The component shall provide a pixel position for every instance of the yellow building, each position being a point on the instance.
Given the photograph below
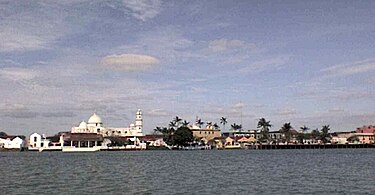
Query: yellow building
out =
(205, 134)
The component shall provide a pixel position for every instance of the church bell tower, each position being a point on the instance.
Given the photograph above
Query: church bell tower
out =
(139, 121)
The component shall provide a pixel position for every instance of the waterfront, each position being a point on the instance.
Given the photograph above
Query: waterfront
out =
(336, 171)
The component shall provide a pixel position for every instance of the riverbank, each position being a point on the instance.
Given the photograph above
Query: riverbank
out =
(310, 146)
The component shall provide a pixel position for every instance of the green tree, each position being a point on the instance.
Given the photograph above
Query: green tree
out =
(185, 123)
(285, 129)
(3, 134)
(301, 137)
(315, 134)
(223, 121)
(183, 136)
(199, 122)
(167, 134)
(236, 127)
(216, 126)
(264, 126)
(324, 135)
(304, 129)
(177, 120)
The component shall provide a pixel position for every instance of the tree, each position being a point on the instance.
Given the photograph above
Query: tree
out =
(315, 134)
(209, 124)
(223, 121)
(300, 137)
(183, 136)
(324, 135)
(285, 129)
(264, 126)
(167, 134)
(304, 129)
(185, 123)
(3, 134)
(172, 125)
(177, 120)
(216, 126)
(236, 127)
(199, 122)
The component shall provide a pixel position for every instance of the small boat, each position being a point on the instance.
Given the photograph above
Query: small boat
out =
(235, 146)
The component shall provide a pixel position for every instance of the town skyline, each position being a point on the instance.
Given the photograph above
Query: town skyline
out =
(308, 63)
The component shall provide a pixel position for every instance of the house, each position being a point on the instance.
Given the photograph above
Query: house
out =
(154, 140)
(11, 142)
(37, 142)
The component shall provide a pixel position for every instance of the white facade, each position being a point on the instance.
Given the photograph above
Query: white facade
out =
(35, 140)
(15, 143)
(38, 142)
(95, 125)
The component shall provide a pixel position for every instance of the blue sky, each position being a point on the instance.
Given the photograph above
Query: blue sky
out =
(305, 62)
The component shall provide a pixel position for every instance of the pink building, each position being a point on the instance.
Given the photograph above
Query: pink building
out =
(366, 129)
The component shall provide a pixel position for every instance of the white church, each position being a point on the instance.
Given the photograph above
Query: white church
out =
(90, 136)
(95, 125)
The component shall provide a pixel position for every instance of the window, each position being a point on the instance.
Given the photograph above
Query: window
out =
(35, 139)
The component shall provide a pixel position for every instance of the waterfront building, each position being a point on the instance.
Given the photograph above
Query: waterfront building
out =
(154, 140)
(11, 142)
(362, 135)
(206, 134)
(366, 129)
(95, 125)
(39, 142)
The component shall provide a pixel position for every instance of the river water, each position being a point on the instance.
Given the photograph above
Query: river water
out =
(334, 171)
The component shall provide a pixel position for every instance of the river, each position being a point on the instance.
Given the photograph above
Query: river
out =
(330, 171)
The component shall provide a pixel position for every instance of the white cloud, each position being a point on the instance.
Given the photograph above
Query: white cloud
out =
(267, 64)
(17, 74)
(143, 9)
(19, 41)
(157, 113)
(222, 45)
(285, 112)
(354, 68)
(130, 62)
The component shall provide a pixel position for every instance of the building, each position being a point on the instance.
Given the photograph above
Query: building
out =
(90, 136)
(206, 134)
(95, 125)
(366, 129)
(11, 142)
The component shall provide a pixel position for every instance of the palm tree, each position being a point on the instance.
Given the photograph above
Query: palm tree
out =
(209, 125)
(324, 133)
(315, 134)
(216, 126)
(285, 129)
(172, 125)
(304, 129)
(264, 125)
(236, 127)
(177, 120)
(223, 121)
(199, 122)
(157, 130)
(185, 123)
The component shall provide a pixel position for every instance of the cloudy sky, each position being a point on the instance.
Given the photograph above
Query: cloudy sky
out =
(305, 62)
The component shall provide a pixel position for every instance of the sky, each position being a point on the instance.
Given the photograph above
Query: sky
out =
(306, 62)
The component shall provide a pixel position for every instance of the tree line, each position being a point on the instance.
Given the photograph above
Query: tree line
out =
(178, 132)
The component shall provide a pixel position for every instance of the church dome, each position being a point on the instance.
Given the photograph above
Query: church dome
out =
(94, 119)
(83, 124)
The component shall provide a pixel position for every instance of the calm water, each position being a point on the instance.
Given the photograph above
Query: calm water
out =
(342, 171)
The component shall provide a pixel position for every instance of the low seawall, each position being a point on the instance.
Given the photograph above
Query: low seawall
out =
(310, 146)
